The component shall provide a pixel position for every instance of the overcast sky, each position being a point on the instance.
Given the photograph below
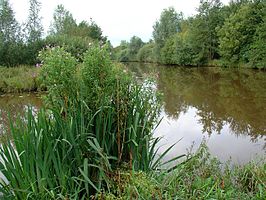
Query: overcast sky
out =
(119, 19)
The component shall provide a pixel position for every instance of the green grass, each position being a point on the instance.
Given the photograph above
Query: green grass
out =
(19, 79)
(201, 177)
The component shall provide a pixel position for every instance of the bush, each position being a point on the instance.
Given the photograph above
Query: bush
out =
(19, 79)
(75, 45)
(146, 53)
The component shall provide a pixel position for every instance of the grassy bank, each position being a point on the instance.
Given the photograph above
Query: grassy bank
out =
(19, 79)
(201, 177)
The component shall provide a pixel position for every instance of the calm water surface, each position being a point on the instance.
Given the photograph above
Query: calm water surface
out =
(13, 106)
(226, 107)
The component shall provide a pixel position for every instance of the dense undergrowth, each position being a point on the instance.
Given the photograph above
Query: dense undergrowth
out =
(19, 79)
(200, 177)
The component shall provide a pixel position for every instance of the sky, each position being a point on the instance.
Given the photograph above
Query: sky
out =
(118, 19)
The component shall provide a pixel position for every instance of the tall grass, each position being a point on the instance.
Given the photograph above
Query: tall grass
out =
(19, 79)
(52, 157)
(200, 177)
(98, 119)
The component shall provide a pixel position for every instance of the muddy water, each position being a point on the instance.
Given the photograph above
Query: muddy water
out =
(13, 106)
(225, 107)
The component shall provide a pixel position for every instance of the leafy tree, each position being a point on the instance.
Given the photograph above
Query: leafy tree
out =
(134, 46)
(203, 30)
(33, 33)
(168, 51)
(146, 53)
(9, 27)
(121, 52)
(167, 26)
(236, 35)
(257, 52)
(34, 26)
(10, 36)
(75, 45)
(63, 21)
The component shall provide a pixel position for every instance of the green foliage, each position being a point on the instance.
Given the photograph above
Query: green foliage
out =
(221, 35)
(19, 79)
(204, 29)
(127, 110)
(168, 51)
(200, 177)
(167, 26)
(128, 51)
(236, 35)
(10, 48)
(58, 75)
(146, 53)
(257, 52)
(52, 159)
(75, 45)
(134, 46)
(98, 77)
(63, 21)
(91, 30)
(34, 27)
(179, 49)
(9, 27)
(22, 48)
(121, 52)
(69, 151)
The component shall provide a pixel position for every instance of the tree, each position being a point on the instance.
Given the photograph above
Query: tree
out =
(9, 27)
(146, 53)
(63, 21)
(34, 27)
(167, 26)
(134, 46)
(257, 52)
(203, 30)
(237, 33)
(10, 36)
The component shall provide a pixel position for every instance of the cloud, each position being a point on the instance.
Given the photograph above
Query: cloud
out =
(119, 19)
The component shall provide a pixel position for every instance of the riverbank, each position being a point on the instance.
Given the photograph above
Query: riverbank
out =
(201, 177)
(25, 78)
(19, 79)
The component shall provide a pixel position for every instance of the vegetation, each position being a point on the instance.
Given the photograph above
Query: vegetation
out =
(94, 140)
(128, 51)
(234, 34)
(20, 43)
(99, 118)
(19, 79)
(201, 177)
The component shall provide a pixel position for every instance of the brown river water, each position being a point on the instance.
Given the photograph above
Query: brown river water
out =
(225, 107)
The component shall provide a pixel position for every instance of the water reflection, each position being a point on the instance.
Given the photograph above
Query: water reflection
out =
(16, 105)
(228, 106)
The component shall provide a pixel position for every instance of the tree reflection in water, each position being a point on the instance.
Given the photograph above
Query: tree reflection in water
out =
(13, 106)
(222, 97)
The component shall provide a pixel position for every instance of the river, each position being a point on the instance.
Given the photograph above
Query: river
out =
(225, 107)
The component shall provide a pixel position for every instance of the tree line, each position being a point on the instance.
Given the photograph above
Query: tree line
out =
(21, 42)
(224, 35)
